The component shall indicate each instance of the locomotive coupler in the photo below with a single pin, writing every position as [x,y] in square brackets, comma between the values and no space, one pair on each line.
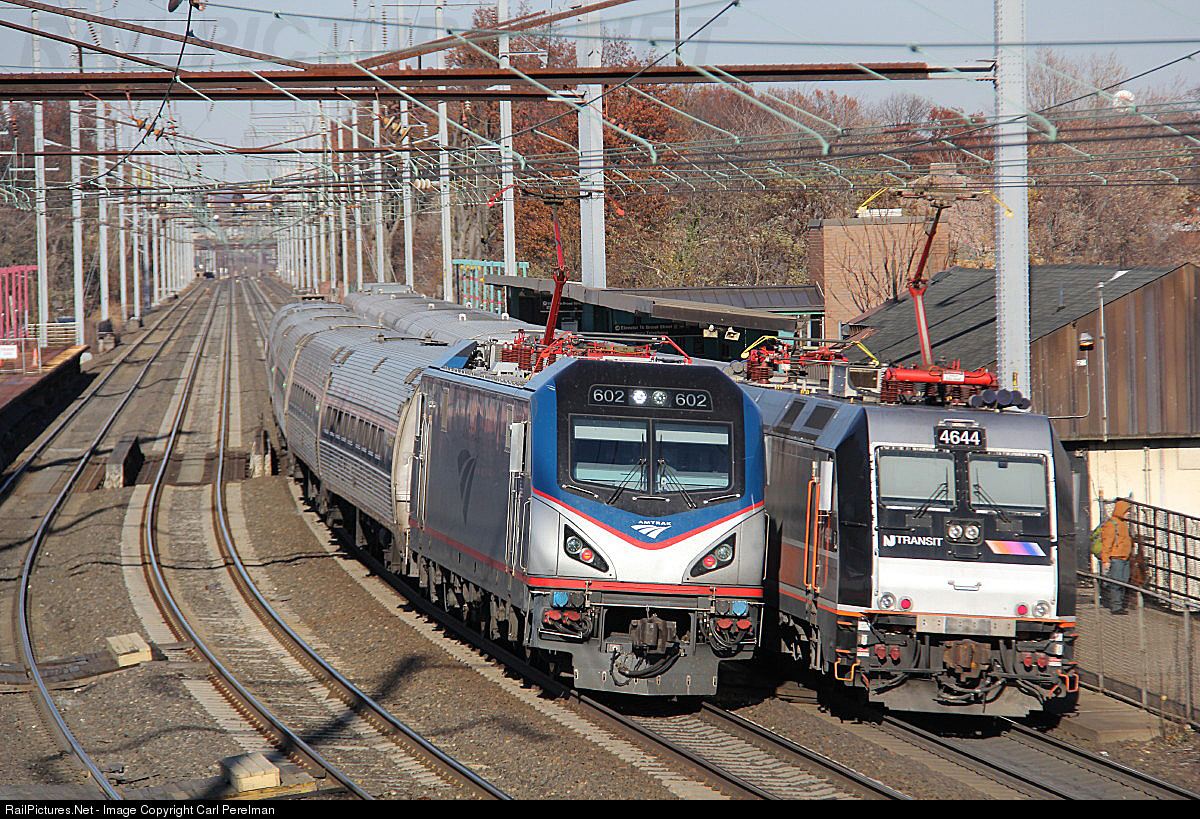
[967,659]
[652,636]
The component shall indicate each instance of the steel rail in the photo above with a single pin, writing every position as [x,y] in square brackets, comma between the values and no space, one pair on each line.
[1038,786]
[386,723]
[929,740]
[1169,789]
[781,744]
[283,736]
[87,396]
[729,782]
[22,601]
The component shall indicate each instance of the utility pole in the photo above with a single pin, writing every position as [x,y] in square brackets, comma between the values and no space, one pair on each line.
[359,199]
[592,246]
[39,165]
[100,139]
[678,57]
[76,202]
[444,172]
[136,241]
[1011,180]
[122,214]
[508,202]
[383,256]
[102,212]
[409,203]
[344,187]
[406,186]
[156,263]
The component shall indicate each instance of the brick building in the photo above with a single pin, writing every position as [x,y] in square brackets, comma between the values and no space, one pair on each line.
[860,262]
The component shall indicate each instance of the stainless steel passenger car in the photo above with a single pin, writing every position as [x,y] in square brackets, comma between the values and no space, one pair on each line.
[604,514]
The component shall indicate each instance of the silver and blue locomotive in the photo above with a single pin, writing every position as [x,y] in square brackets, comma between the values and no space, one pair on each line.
[603,510]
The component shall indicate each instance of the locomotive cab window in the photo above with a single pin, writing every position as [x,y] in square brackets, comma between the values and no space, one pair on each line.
[1008,483]
[691,456]
[912,479]
[610,451]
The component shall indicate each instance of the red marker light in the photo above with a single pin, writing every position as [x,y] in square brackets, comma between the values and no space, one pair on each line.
[1022,609]
[586,555]
[905,603]
[709,561]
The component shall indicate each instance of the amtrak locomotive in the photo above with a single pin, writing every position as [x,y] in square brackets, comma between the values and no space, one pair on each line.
[600,507]
[921,554]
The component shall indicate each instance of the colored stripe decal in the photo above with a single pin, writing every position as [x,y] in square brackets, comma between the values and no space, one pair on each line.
[638,543]
[649,588]
[1023,548]
[596,585]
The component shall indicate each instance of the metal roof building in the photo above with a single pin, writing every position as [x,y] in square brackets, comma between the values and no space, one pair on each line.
[733,316]
[1132,400]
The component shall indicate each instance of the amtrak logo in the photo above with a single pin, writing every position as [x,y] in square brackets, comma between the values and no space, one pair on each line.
[910,540]
[651,528]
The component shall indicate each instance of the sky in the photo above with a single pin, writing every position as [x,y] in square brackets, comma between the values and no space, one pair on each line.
[754,31]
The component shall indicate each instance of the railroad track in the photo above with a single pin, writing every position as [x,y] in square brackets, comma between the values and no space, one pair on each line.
[77,415]
[750,761]
[747,763]
[784,769]
[1040,765]
[278,732]
[1007,761]
[777,766]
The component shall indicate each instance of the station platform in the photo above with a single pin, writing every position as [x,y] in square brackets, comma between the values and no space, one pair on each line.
[23,397]
[1102,719]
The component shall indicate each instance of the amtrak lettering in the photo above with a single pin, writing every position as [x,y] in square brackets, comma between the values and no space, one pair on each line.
[910,540]
[651,528]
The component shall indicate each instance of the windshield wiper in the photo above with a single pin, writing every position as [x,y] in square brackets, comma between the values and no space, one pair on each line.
[624,484]
[941,489]
[664,466]
[992,502]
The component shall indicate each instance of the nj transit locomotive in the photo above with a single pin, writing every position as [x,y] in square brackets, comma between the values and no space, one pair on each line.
[920,554]
[604,513]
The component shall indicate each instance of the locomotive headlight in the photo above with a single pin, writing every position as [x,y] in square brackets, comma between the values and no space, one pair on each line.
[887,600]
[717,558]
[1041,608]
[972,531]
[639,397]
[954,531]
[659,398]
[578,549]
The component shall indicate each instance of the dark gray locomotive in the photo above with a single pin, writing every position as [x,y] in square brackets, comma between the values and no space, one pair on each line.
[920,554]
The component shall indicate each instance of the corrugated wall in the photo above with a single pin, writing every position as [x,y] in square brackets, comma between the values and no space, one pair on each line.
[1152,365]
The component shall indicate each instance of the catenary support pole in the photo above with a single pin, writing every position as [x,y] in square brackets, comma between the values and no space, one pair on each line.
[76,207]
[508,202]
[444,174]
[1011,182]
[39,165]
[592,246]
